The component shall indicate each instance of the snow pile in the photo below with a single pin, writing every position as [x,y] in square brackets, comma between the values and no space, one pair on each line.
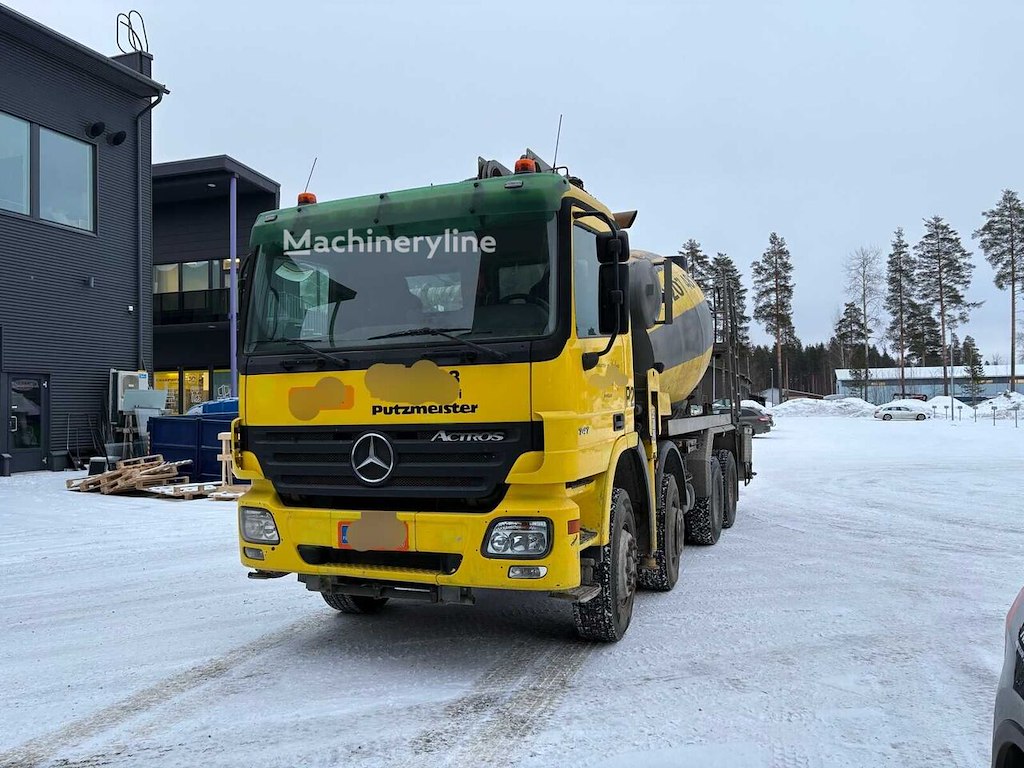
[1005,404]
[941,401]
[755,405]
[804,406]
[914,405]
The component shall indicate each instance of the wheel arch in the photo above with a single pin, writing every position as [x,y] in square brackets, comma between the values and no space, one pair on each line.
[630,473]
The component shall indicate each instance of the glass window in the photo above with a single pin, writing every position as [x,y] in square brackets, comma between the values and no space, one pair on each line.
[14,153]
[197,389]
[65,180]
[585,272]
[221,384]
[195,276]
[168,380]
[165,278]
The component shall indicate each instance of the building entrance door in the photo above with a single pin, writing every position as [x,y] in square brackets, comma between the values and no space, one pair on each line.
[27,425]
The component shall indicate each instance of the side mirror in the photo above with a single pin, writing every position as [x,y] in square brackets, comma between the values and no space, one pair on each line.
[612,247]
[613,289]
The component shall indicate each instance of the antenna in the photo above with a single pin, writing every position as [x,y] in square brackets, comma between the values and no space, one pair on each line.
[133,37]
[310,177]
[554,161]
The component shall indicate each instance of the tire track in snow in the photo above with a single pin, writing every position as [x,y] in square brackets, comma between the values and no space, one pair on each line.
[41,749]
[521,690]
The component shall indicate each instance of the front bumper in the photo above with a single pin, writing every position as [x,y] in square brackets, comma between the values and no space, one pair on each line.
[460,534]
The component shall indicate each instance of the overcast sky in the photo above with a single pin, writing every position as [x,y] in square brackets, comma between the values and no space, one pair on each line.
[831,123]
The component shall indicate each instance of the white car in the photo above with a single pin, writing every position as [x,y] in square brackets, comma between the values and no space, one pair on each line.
[890,412]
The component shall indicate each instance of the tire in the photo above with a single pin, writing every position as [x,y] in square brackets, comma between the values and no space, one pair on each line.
[671,535]
[606,616]
[731,487]
[354,603]
[886,417]
[920,417]
[704,523]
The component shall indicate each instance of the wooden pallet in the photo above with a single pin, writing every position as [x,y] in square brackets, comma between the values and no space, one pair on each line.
[132,475]
[229,492]
[184,491]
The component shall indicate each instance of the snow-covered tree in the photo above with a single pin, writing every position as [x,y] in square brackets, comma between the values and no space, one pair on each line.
[773,296]
[899,280]
[943,273]
[698,265]
[1002,241]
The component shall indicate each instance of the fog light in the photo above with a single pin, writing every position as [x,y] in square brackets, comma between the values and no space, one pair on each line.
[527,572]
[252,553]
[519,538]
[258,526]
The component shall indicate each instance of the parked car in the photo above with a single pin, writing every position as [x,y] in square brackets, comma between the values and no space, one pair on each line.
[1008,724]
[890,412]
[759,421]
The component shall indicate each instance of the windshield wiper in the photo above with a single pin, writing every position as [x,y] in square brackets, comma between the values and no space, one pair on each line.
[339,362]
[447,333]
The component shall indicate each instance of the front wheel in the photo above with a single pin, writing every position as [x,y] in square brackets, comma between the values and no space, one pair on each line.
[887,417]
[606,616]
[354,603]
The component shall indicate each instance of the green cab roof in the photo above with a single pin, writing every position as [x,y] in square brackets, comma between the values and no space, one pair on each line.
[389,212]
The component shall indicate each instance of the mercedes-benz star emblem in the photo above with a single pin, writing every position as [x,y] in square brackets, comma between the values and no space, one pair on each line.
[373,458]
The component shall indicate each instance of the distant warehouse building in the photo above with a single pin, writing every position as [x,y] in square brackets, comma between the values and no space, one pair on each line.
[884,383]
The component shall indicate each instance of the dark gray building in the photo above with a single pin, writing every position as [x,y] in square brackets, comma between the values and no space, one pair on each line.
[191,270]
[75,234]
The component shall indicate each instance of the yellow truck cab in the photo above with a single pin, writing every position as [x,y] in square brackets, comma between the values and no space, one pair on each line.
[477,386]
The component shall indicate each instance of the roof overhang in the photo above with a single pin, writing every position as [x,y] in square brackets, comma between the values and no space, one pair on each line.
[204,178]
[77,55]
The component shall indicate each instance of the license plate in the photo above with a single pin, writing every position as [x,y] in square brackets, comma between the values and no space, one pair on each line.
[373,535]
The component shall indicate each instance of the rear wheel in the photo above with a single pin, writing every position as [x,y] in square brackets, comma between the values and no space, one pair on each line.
[671,535]
[704,522]
[731,485]
[606,616]
[354,603]
[920,417]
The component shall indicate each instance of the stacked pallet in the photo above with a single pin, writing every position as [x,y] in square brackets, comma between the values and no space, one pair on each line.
[129,475]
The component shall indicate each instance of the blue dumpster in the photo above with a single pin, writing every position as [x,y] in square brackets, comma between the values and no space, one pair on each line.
[178,438]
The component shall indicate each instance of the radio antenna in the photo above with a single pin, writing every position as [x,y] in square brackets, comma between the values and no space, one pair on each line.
[554,162]
[310,177]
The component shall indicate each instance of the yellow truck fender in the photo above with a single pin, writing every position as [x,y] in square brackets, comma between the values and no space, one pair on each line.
[628,468]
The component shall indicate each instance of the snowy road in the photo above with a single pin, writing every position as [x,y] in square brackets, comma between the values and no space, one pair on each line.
[853,617]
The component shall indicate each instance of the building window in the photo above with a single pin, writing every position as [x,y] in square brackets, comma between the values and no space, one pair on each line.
[196,390]
[14,164]
[195,276]
[66,186]
[168,380]
[165,278]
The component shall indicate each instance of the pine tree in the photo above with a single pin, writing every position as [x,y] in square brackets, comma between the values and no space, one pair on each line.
[899,278]
[724,268]
[773,297]
[698,265]
[1002,241]
[943,275]
[974,371]
[859,371]
[850,331]
[924,344]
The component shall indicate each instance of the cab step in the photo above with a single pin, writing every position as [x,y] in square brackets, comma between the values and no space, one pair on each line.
[580,594]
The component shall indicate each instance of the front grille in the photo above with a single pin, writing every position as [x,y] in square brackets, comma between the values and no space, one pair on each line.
[311,466]
[436,562]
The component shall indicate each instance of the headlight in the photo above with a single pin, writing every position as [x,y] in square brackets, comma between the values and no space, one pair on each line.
[258,526]
[522,539]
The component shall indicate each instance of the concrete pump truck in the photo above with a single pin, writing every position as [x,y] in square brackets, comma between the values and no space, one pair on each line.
[478,385]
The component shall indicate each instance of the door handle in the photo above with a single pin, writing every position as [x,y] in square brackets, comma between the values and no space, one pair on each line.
[14,423]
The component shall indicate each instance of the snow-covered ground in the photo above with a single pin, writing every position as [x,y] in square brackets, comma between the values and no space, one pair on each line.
[852,617]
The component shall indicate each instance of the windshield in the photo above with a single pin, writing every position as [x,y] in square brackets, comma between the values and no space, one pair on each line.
[495,281]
